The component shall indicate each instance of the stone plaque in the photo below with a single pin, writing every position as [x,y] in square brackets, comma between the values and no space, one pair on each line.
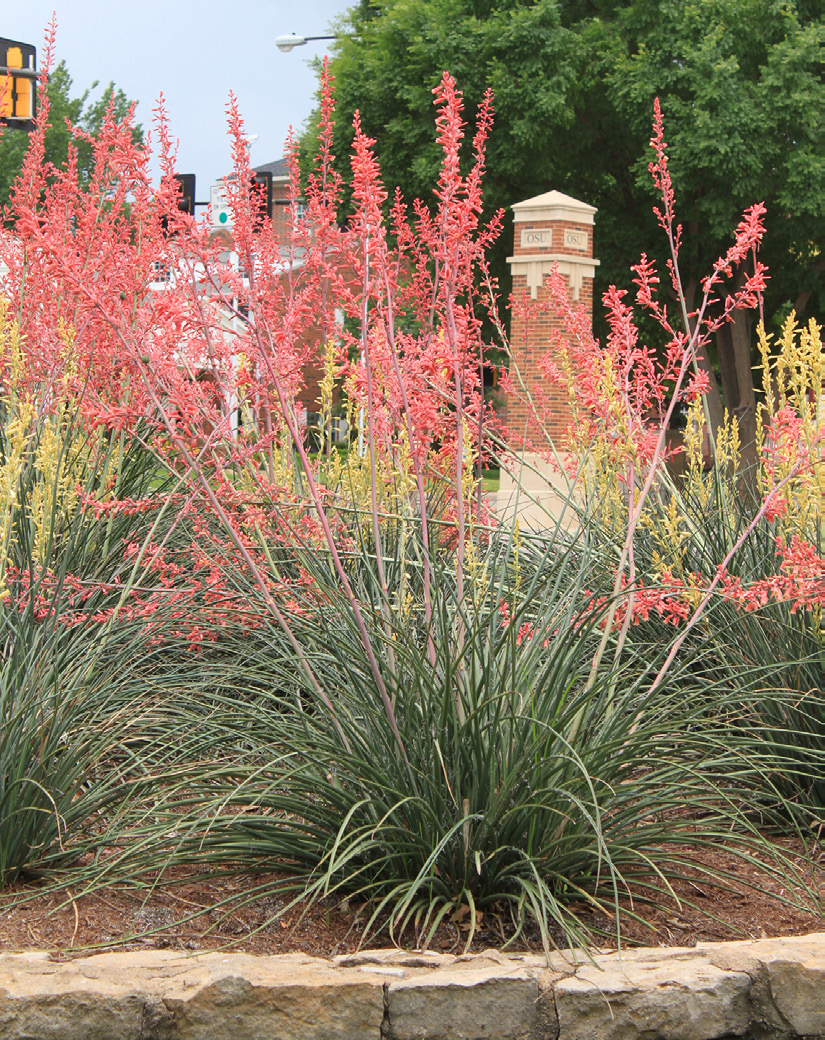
[575,240]
[537,237]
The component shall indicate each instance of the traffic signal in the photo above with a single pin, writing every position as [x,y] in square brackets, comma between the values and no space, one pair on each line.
[186,187]
[18,76]
[260,198]
[185,184]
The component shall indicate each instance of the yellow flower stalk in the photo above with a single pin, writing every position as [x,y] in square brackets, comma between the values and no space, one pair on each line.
[792,377]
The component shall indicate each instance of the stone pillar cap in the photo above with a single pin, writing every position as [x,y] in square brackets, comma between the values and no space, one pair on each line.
[553,205]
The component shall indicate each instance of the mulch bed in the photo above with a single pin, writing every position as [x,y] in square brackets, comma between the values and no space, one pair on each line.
[155,917]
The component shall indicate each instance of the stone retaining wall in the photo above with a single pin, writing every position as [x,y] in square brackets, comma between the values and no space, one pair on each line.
[773,988]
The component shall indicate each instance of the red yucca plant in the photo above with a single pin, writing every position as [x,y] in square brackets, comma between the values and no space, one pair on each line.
[625,395]
[143,320]
[732,559]
[416,742]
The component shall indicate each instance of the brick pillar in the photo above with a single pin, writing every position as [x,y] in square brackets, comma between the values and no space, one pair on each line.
[550,228]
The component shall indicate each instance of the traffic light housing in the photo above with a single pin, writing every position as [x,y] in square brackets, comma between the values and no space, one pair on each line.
[185,184]
[260,198]
[17,88]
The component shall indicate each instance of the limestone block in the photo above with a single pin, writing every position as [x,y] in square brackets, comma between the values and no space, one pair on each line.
[299,1007]
[789,980]
[653,995]
[42,999]
[71,1017]
[466,1004]
[170,996]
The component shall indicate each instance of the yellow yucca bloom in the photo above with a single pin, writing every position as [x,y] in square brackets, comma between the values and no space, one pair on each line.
[327,384]
[792,377]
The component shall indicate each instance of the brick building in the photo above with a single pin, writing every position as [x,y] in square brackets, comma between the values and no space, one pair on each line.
[280,214]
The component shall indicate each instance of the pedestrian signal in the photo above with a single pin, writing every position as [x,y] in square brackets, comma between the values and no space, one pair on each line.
[18,76]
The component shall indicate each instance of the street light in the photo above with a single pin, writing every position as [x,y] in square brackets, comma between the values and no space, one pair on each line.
[286,43]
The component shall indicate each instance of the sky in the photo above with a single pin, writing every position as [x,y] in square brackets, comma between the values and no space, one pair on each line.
[194,52]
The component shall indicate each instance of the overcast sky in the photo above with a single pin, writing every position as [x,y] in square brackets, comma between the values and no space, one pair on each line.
[194,52]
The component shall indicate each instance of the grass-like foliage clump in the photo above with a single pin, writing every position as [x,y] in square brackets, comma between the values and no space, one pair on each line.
[511,782]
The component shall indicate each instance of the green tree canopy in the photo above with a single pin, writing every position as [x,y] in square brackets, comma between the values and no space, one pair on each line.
[740,82]
[79,111]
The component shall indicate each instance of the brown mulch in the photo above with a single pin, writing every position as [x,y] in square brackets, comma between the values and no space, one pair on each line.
[186,912]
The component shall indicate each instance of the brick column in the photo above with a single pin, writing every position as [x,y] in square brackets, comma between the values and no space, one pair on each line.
[550,228]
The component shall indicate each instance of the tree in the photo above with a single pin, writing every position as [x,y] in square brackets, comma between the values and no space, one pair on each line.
[79,111]
[741,87]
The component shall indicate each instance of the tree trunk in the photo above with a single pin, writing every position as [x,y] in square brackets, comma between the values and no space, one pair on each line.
[733,344]
[804,296]
[713,398]
[733,349]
